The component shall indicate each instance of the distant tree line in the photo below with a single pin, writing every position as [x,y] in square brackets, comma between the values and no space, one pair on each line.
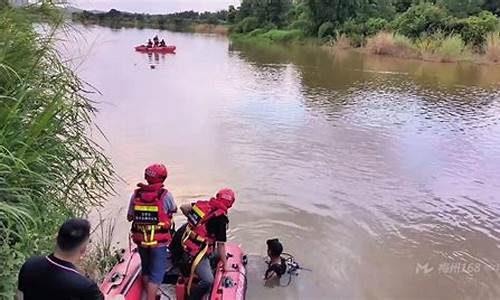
[116,18]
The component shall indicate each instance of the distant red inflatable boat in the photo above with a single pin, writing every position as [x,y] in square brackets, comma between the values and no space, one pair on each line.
[166,49]
[124,281]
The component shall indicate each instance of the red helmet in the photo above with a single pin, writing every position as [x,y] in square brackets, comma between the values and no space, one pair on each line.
[226,195]
[156,173]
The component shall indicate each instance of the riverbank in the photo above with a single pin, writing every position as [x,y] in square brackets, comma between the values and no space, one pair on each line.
[51,168]
[445,49]
[440,31]
[188,21]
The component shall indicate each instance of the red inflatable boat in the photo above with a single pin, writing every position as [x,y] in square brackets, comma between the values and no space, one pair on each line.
[166,49]
[124,281]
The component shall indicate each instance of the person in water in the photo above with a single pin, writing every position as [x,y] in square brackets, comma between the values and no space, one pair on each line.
[276,266]
[156,41]
[205,231]
[56,276]
[162,43]
[150,210]
[149,44]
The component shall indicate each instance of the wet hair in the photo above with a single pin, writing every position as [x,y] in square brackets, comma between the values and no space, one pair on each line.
[274,247]
[72,234]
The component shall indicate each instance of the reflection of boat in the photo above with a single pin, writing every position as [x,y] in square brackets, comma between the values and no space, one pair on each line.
[166,49]
[124,281]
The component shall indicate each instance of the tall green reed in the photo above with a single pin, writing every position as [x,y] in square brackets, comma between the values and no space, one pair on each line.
[50,168]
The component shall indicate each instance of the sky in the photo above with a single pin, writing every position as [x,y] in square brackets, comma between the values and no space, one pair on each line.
[154,6]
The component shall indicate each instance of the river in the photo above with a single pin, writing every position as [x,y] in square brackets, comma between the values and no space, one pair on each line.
[380,175]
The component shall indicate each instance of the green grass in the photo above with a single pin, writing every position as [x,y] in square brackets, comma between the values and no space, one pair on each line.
[261,35]
[277,35]
[49,167]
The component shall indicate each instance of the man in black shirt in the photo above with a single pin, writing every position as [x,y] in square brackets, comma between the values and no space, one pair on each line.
[55,276]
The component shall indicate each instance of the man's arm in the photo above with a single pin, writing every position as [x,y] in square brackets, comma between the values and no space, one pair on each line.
[19,295]
[130,212]
[169,204]
[221,238]
[186,209]
[221,250]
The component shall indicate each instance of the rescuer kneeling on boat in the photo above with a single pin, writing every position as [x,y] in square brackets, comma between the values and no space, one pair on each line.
[55,276]
[206,229]
[150,211]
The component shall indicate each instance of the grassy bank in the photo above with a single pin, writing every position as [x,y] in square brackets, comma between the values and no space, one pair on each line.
[50,168]
[437,48]
[188,21]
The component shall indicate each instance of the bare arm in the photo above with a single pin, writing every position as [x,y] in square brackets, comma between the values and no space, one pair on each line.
[19,295]
[186,208]
[221,250]
[130,211]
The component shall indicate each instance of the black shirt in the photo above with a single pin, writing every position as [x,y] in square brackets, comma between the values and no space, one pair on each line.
[51,278]
[216,227]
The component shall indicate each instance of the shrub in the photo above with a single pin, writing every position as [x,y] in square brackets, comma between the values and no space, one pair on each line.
[257,32]
[325,30]
[357,40]
[305,26]
[492,48]
[403,42]
[420,19]
[475,28]
[386,43]
[451,48]
[342,42]
[355,31]
[375,25]
[427,46]
[283,35]
[246,25]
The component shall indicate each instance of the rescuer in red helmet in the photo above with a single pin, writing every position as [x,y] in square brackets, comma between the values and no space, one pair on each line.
[150,211]
[204,232]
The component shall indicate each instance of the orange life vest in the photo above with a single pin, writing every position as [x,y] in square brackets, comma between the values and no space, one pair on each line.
[151,224]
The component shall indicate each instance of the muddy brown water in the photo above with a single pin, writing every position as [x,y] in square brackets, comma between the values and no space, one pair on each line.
[380,175]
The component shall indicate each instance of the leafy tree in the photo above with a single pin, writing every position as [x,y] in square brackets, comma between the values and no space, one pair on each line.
[232,14]
[493,6]
[421,19]
[334,11]
[402,5]
[475,28]
[266,11]
[325,30]
[462,8]
[377,9]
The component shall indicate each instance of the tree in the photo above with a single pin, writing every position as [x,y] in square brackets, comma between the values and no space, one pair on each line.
[493,6]
[424,18]
[232,14]
[402,5]
[3,3]
[334,11]
[462,8]
[266,11]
